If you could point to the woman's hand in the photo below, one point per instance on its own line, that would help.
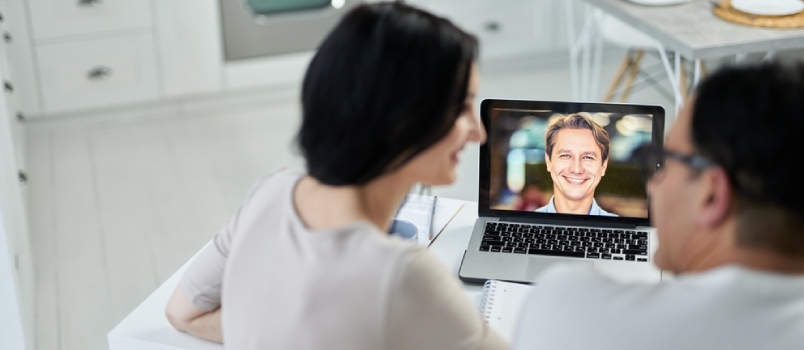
(186, 317)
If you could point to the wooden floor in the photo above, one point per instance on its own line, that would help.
(116, 208)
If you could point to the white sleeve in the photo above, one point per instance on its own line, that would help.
(202, 281)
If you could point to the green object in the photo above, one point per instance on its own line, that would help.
(267, 7)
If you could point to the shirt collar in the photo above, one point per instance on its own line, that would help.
(593, 210)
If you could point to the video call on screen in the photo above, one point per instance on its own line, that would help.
(520, 178)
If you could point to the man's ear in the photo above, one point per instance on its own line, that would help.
(714, 203)
(603, 169)
(547, 162)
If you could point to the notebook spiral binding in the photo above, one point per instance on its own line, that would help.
(487, 299)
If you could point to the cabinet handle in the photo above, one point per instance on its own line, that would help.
(20, 117)
(7, 37)
(8, 88)
(89, 3)
(1, 17)
(23, 177)
(99, 73)
(493, 26)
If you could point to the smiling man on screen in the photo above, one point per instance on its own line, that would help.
(576, 155)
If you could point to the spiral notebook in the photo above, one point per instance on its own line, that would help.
(501, 303)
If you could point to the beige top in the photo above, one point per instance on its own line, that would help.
(283, 286)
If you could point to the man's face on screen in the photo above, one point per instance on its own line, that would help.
(576, 164)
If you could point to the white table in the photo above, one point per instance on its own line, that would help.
(690, 30)
(147, 328)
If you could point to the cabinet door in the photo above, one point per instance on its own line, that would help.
(13, 115)
(11, 87)
(16, 267)
(98, 73)
(16, 42)
(58, 18)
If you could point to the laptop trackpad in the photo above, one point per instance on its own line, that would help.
(536, 265)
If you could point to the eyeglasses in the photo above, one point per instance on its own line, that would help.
(653, 160)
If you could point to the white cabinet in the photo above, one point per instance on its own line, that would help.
(11, 89)
(16, 265)
(17, 46)
(97, 73)
(92, 54)
(59, 18)
(16, 269)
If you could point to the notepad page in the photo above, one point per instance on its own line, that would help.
(418, 210)
(503, 304)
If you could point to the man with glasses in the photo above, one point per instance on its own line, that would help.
(728, 206)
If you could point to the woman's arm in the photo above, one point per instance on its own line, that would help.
(428, 309)
(195, 306)
(186, 317)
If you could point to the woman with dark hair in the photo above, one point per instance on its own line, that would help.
(388, 102)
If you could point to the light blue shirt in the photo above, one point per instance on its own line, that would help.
(594, 210)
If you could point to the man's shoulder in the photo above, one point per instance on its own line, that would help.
(574, 287)
(597, 210)
(561, 278)
(547, 208)
(758, 308)
(584, 284)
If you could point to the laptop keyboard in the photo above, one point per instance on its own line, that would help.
(575, 242)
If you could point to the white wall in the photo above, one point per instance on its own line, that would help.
(12, 336)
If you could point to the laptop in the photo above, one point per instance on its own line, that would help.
(564, 182)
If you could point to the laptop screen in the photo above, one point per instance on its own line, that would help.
(566, 160)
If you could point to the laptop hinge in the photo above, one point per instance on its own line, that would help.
(571, 222)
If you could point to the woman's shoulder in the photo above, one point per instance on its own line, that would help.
(280, 178)
(382, 244)
(272, 185)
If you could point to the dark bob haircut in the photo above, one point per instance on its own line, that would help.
(749, 120)
(387, 83)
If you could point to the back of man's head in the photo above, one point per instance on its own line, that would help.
(750, 121)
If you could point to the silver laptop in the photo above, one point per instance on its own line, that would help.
(564, 182)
